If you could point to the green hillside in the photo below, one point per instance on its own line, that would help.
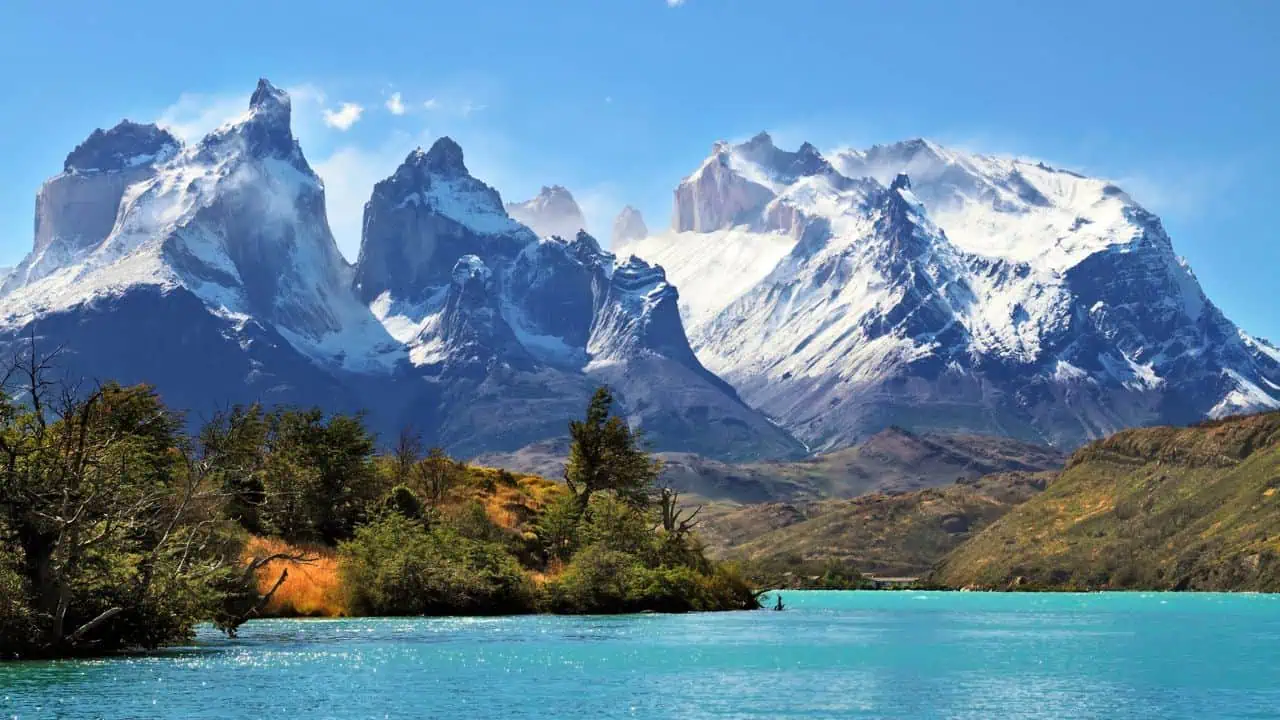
(1157, 508)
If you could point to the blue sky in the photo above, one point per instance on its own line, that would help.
(1176, 101)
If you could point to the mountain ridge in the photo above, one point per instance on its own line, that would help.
(457, 320)
(914, 285)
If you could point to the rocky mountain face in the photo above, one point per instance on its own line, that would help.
(820, 298)
(917, 286)
(552, 212)
(209, 270)
(512, 330)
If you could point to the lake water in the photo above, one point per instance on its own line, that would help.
(830, 654)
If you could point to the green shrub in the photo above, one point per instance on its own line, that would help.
(395, 566)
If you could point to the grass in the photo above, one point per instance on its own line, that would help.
(313, 589)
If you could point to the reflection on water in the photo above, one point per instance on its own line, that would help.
(887, 654)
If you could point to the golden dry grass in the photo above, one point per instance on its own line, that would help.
(312, 589)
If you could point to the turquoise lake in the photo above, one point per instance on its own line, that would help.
(829, 655)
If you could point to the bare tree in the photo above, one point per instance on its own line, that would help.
(407, 454)
(674, 520)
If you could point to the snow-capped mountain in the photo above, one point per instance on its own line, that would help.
(552, 212)
(913, 285)
(209, 271)
(512, 330)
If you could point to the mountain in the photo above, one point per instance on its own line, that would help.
(628, 227)
(917, 286)
(210, 271)
(1194, 508)
(552, 212)
(510, 332)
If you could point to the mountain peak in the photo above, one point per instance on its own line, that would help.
(126, 145)
(901, 182)
(444, 158)
(265, 130)
(268, 97)
(629, 226)
(553, 211)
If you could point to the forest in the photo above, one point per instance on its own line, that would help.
(122, 529)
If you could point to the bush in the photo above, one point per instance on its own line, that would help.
(395, 566)
(602, 580)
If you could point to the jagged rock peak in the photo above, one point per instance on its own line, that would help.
(269, 98)
(553, 211)
(265, 129)
(901, 182)
(126, 145)
(444, 158)
(785, 166)
(637, 275)
(628, 226)
(759, 141)
(585, 241)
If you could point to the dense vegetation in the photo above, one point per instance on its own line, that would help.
(119, 531)
(1165, 508)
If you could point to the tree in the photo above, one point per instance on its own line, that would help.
(438, 473)
(320, 476)
(406, 455)
(605, 455)
(557, 527)
(108, 513)
(234, 442)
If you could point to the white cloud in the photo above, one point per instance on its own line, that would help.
(344, 117)
(675, 3)
(349, 174)
(458, 107)
(195, 114)
(395, 104)
(467, 107)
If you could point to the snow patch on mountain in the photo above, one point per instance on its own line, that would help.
(238, 219)
(915, 284)
(712, 269)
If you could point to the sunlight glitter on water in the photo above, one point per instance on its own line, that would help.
(908, 655)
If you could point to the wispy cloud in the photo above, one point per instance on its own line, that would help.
(349, 174)
(195, 114)
(344, 117)
(464, 107)
(675, 3)
(395, 104)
